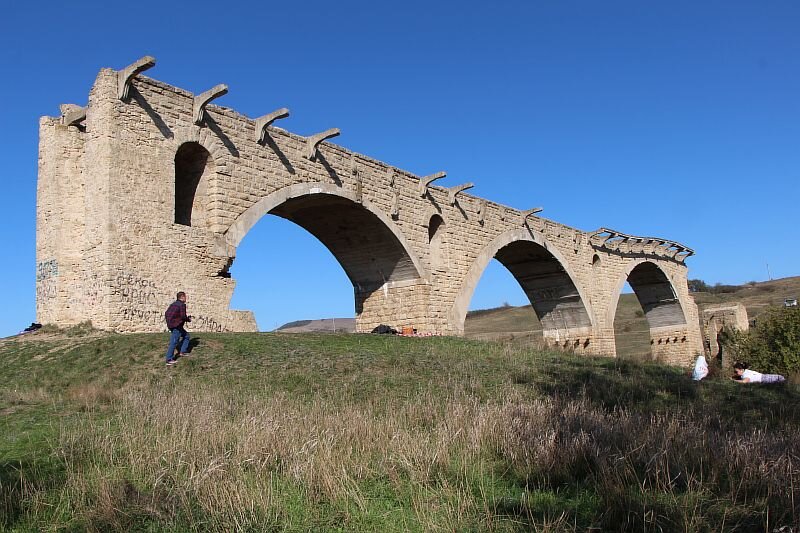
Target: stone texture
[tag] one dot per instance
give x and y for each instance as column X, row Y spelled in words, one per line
column 139, row 202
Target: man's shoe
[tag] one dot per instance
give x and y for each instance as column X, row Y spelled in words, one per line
column 172, row 362
column 185, row 354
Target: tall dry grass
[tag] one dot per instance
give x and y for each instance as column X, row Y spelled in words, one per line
column 205, row 458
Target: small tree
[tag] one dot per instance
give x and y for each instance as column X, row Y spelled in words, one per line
column 773, row 345
column 698, row 285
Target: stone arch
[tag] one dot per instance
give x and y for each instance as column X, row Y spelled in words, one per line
column 370, row 248
column 202, row 206
column 542, row 272
column 656, row 293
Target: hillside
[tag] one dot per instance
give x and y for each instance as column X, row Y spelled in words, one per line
column 521, row 323
column 258, row 432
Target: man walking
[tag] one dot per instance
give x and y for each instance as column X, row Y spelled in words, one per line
column 176, row 317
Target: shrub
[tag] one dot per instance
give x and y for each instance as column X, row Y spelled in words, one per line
column 773, row 345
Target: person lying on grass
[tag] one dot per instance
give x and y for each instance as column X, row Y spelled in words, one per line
column 744, row 375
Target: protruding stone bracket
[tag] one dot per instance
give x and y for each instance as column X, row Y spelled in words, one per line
column 202, row 100
column 312, row 142
column 396, row 205
column 453, row 192
column 613, row 240
column 527, row 213
column 482, row 212
column 262, row 123
column 427, row 180
column 72, row 115
column 125, row 75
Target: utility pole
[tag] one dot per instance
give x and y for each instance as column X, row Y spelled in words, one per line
column 769, row 274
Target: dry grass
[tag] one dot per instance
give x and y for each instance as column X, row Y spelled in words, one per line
column 367, row 433
column 210, row 457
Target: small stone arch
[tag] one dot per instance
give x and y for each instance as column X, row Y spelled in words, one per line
column 564, row 299
column 437, row 228
column 655, row 291
column 200, row 158
column 194, row 167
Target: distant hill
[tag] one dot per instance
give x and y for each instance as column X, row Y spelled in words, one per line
column 323, row 325
column 521, row 323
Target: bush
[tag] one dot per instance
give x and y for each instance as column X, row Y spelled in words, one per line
column 773, row 345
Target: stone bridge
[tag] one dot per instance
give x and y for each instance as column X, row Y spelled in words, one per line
column 149, row 189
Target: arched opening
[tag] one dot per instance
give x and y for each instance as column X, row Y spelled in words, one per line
column 653, row 302
column 631, row 330
column 436, row 230
column 363, row 244
column 500, row 309
column 288, row 278
column 549, row 288
column 545, row 282
column 193, row 166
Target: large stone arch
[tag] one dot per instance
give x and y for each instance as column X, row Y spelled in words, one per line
column 544, row 275
column 412, row 269
column 370, row 248
column 655, row 291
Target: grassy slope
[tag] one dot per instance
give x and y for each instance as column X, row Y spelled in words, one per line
column 378, row 433
column 630, row 325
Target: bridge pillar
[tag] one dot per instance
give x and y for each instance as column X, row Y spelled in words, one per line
column 397, row 304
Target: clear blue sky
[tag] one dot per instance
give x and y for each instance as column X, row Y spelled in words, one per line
column 675, row 119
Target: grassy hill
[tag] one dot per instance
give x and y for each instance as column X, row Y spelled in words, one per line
column 630, row 326
column 263, row 432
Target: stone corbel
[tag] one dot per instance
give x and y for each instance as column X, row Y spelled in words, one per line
column 453, row 192
column 125, row 75
column 396, row 205
column 424, row 182
column 202, row 100
column 72, row 115
column 263, row 122
column 529, row 212
column 312, row 142
column 359, row 179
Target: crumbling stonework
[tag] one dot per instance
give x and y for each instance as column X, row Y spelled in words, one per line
column 717, row 319
column 149, row 190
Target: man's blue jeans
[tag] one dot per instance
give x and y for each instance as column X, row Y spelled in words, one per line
column 177, row 335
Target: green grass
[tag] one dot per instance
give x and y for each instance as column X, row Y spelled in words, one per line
column 259, row 432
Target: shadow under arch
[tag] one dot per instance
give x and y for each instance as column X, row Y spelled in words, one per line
column 194, row 169
column 369, row 247
column 541, row 271
column 655, row 292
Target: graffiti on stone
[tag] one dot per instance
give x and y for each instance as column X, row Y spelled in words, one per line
column 207, row 324
column 135, row 289
column 47, row 270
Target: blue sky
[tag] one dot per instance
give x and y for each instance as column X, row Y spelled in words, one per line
column 674, row 119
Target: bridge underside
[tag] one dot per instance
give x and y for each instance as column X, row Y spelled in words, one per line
column 547, row 285
column 383, row 274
